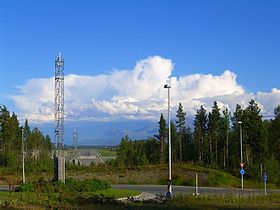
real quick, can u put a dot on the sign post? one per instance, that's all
(242, 172)
(265, 180)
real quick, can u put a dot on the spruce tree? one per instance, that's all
(200, 129)
(225, 137)
(181, 128)
(274, 141)
(214, 125)
(162, 136)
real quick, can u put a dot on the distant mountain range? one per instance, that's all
(105, 133)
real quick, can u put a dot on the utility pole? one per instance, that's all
(59, 159)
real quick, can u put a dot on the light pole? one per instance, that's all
(22, 148)
(169, 185)
(241, 156)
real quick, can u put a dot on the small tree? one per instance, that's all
(181, 128)
(162, 135)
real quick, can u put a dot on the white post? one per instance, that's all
(22, 148)
(196, 184)
(264, 187)
(265, 180)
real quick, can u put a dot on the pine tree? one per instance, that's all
(4, 116)
(234, 143)
(225, 135)
(214, 124)
(188, 147)
(200, 129)
(162, 136)
(274, 141)
(122, 151)
(255, 132)
(174, 143)
(181, 128)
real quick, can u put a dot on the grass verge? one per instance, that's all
(52, 200)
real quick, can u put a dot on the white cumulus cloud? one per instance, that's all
(137, 93)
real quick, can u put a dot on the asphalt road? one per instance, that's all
(162, 189)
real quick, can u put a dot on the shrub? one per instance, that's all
(70, 186)
(25, 187)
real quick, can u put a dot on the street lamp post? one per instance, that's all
(22, 148)
(241, 156)
(169, 186)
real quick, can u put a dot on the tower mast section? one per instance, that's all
(59, 119)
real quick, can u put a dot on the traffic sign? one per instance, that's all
(242, 172)
(242, 165)
(265, 178)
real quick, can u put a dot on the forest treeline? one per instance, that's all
(37, 147)
(213, 142)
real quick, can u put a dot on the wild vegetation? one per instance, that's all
(74, 194)
(214, 142)
(37, 147)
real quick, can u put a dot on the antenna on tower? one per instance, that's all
(75, 139)
(59, 159)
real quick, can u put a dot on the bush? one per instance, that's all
(9, 159)
(40, 166)
(90, 185)
(70, 186)
(25, 187)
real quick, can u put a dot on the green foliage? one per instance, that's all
(215, 141)
(108, 152)
(90, 185)
(70, 186)
(162, 131)
(181, 128)
(214, 134)
(177, 179)
(273, 170)
(26, 187)
(134, 153)
(37, 147)
(9, 159)
(200, 129)
(219, 178)
(39, 166)
(224, 202)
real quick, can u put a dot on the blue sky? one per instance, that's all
(97, 37)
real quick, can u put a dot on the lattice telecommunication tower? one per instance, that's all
(59, 159)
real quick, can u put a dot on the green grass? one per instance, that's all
(32, 200)
(114, 193)
(43, 200)
(107, 152)
(149, 174)
(225, 202)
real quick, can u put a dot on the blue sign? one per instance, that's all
(265, 178)
(242, 172)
